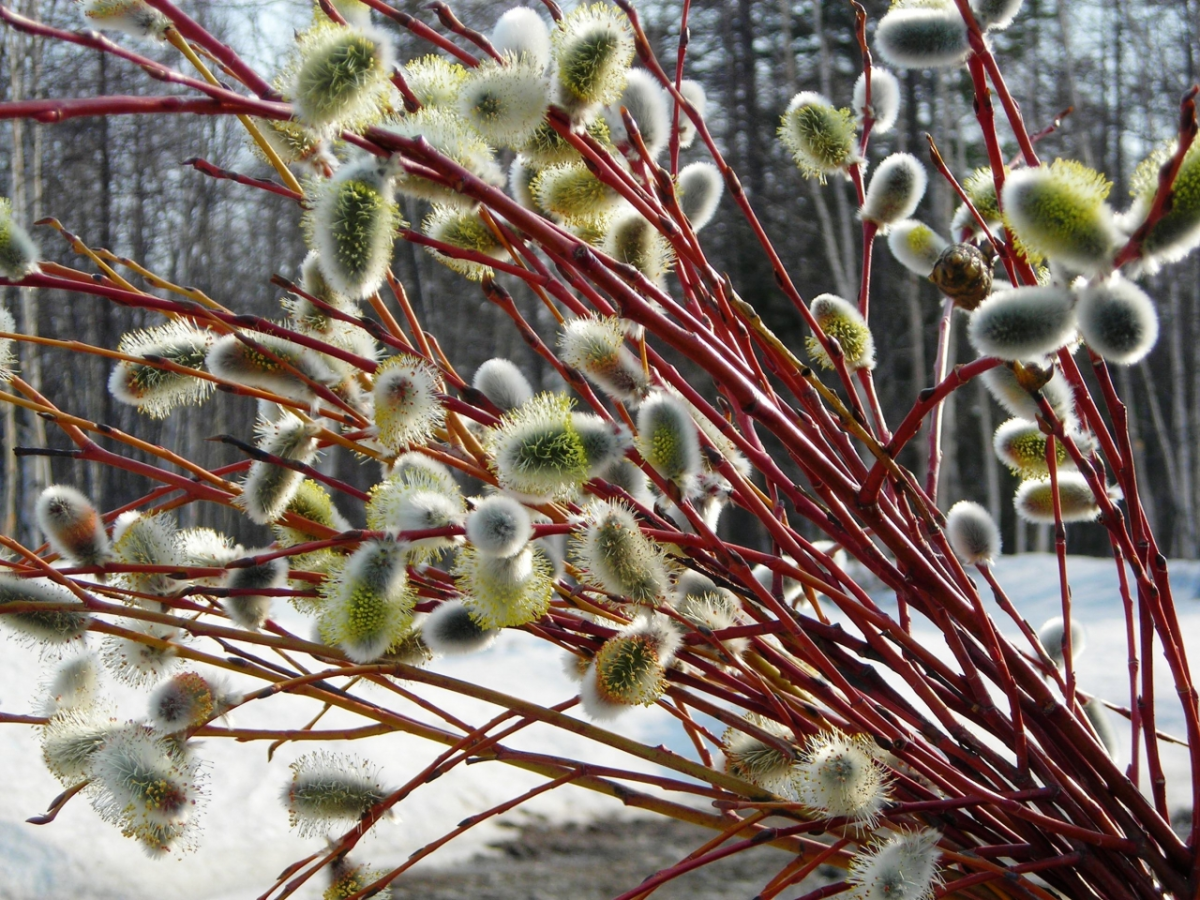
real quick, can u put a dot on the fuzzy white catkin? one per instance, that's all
(646, 102)
(995, 15)
(1051, 636)
(668, 439)
(972, 532)
(353, 225)
(505, 102)
(1024, 323)
(916, 246)
(1097, 715)
(693, 93)
(885, 99)
(904, 868)
(450, 630)
(700, 189)
(1117, 320)
(502, 383)
(72, 525)
(522, 32)
(499, 526)
(1034, 501)
(1002, 384)
(75, 684)
(895, 189)
(922, 38)
(250, 611)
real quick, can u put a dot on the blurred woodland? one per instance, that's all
(1122, 81)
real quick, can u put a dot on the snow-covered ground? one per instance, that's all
(246, 841)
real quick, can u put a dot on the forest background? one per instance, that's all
(1120, 65)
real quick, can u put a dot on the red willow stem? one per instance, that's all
(54, 111)
(424, 32)
(685, 36)
(1164, 194)
(206, 168)
(447, 17)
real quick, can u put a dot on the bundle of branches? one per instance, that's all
(978, 769)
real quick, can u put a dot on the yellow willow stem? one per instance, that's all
(80, 247)
(516, 258)
(183, 47)
(194, 294)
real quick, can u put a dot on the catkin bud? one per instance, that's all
(885, 99)
(269, 488)
(547, 147)
(615, 554)
(903, 868)
(521, 32)
(342, 78)
(1006, 389)
(352, 226)
(276, 367)
(843, 322)
(415, 467)
(504, 385)
(1059, 211)
(157, 391)
(347, 880)
(18, 253)
(312, 502)
(700, 187)
(963, 274)
(668, 439)
(135, 18)
(539, 450)
(328, 790)
(499, 526)
(1177, 233)
(571, 190)
(368, 603)
(1034, 500)
(1051, 637)
(895, 190)
(693, 93)
(926, 37)
(995, 15)
(75, 684)
(417, 501)
(630, 669)
(596, 347)
(72, 526)
(1117, 320)
(451, 630)
(972, 533)
(916, 246)
(185, 701)
(250, 611)
(622, 473)
(763, 763)
(819, 136)
(839, 778)
(594, 48)
(1024, 323)
(49, 627)
(646, 102)
(1020, 445)
(505, 101)
(504, 592)
(407, 406)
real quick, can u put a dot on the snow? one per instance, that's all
(246, 842)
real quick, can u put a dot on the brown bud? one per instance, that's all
(963, 274)
(1031, 376)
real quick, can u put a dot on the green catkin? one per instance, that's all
(819, 135)
(18, 253)
(843, 322)
(464, 230)
(156, 391)
(593, 47)
(617, 557)
(342, 77)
